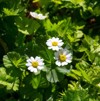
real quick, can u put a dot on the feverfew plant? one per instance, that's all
(50, 50)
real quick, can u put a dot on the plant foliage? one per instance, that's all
(77, 23)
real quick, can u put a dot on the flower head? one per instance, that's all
(35, 64)
(38, 16)
(54, 43)
(63, 57)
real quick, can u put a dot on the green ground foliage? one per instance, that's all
(76, 23)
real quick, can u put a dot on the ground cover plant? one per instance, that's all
(49, 50)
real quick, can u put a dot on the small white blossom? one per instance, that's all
(35, 64)
(38, 16)
(63, 57)
(54, 43)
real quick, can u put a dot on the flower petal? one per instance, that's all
(48, 43)
(58, 63)
(64, 63)
(32, 59)
(40, 67)
(28, 64)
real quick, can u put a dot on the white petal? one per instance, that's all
(68, 61)
(57, 39)
(53, 38)
(49, 40)
(49, 43)
(64, 63)
(60, 40)
(28, 64)
(55, 48)
(30, 68)
(33, 70)
(33, 14)
(69, 55)
(32, 59)
(50, 47)
(60, 43)
(40, 67)
(58, 63)
(42, 17)
(37, 58)
(65, 52)
(41, 63)
(28, 60)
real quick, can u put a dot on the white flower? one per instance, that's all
(63, 57)
(35, 64)
(54, 43)
(38, 16)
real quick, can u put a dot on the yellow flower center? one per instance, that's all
(35, 64)
(62, 57)
(54, 43)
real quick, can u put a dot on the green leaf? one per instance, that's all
(35, 81)
(78, 34)
(75, 95)
(76, 72)
(8, 81)
(49, 26)
(91, 55)
(73, 76)
(10, 12)
(96, 10)
(85, 75)
(14, 59)
(47, 55)
(53, 76)
(80, 2)
(2, 73)
(9, 86)
(57, 1)
(27, 26)
(62, 70)
(88, 39)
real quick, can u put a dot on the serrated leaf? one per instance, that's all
(10, 85)
(10, 12)
(76, 72)
(8, 81)
(73, 76)
(13, 59)
(85, 75)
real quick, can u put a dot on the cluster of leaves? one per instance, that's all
(77, 23)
